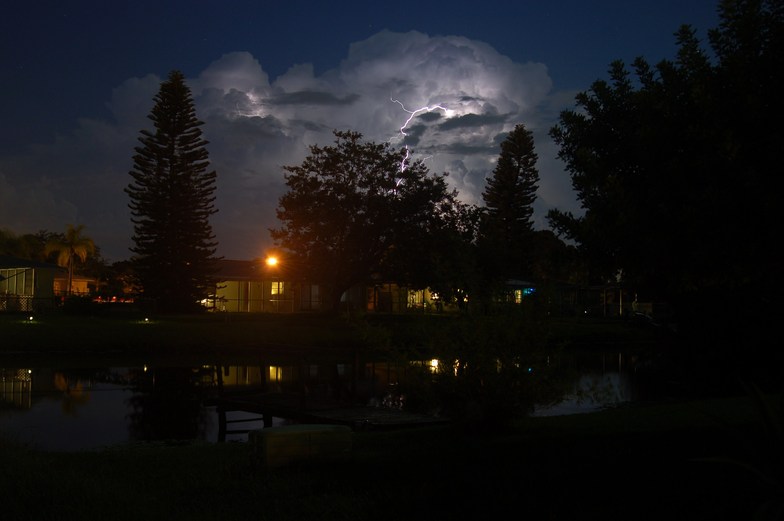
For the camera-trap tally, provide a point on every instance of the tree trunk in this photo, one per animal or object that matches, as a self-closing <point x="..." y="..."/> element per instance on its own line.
<point x="70" y="276"/>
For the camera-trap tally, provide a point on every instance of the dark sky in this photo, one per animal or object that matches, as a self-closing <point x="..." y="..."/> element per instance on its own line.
<point x="269" y="79"/>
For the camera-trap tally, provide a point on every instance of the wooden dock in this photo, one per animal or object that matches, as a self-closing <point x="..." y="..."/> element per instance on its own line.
<point x="308" y="409"/>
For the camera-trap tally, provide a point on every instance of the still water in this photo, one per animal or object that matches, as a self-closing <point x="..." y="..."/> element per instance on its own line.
<point x="78" y="409"/>
<point x="71" y="410"/>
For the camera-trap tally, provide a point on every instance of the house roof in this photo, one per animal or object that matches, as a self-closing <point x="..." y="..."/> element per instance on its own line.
<point x="515" y="283"/>
<point x="239" y="270"/>
<point x="8" y="262"/>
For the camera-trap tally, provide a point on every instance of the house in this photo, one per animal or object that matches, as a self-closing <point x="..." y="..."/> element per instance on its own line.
<point x="393" y="298"/>
<point x="80" y="284"/>
<point x="258" y="287"/>
<point x="255" y="287"/>
<point x="27" y="285"/>
<point x="516" y="290"/>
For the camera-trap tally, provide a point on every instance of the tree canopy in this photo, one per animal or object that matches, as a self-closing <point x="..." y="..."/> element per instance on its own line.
<point x="171" y="201"/>
<point x="677" y="169"/>
<point x="675" y="165"/>
<point x="26" y="246"/>
<point x="73" y="245"/>
<point x="358" y="210"/>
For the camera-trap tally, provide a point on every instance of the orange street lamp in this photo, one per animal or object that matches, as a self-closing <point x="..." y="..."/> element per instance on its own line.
<point x="272" y="263"/>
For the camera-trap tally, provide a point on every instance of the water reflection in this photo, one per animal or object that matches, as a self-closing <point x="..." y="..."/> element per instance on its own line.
<point x="55" y="410"/>
<point x="75" y="391"/>
<point x="167" y="405"/>
<point x="15" y="387"/>
<point x="591" y="392"/>
<point x="75" y="409"/>
<point x="601" y="380"/>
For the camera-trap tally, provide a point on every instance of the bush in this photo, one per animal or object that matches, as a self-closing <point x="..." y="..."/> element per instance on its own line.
<point x="80" y="305"/>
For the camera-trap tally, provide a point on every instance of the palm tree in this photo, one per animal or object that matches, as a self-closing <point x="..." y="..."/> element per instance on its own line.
<point x="72" y="244"/>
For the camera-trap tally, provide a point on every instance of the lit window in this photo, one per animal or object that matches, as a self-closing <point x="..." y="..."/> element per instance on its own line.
<point x="277" y="288"/>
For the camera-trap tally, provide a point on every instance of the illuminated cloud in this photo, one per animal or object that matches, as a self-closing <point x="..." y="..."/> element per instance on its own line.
<point x="256" y="126"/>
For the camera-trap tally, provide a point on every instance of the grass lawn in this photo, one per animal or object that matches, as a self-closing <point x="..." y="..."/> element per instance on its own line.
<point x="633" y="463"/>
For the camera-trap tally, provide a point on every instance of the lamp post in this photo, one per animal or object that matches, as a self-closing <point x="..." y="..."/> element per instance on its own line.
<point x="272" y="263"/>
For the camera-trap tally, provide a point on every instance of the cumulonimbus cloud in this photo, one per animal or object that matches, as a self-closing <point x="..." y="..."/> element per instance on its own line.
<point x="448" y="98"/>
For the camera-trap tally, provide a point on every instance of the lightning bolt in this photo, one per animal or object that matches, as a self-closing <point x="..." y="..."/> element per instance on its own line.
<point x="255" y="106"/>
<point x="413" y="113"/>
<point x="403" y="133"/>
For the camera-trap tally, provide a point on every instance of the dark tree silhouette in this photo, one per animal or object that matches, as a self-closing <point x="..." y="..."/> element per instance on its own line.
<point x="677" y="169"/>
<point x="171" y="202"/>
<point x="358" y="210"/>
<point x="507" y="227"/>
<point x="30" y="246"/>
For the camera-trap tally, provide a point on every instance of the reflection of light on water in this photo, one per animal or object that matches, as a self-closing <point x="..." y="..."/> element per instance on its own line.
<point x="591" y="393"/>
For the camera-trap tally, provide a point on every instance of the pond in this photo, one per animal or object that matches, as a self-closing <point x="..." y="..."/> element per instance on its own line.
<point x="79" y="409"/>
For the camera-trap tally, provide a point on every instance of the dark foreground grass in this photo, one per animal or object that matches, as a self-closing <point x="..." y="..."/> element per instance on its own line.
<point x="131" y="329"/>
<point x="61" y="339"/>
<point x="633" y="463"/>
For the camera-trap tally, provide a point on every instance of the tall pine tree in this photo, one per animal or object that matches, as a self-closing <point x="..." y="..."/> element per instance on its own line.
<point x="509" y="195"/>
<point x="171" y="202"/>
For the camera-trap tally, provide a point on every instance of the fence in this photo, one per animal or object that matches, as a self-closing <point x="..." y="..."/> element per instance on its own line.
<point x="24" y="303"/>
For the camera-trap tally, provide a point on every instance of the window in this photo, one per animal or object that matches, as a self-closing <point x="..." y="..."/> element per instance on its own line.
<point x="275" y="373"/>
<point x="277" y="288"/>
<point x="520" y="294"/>
<point x="16" y="281"/>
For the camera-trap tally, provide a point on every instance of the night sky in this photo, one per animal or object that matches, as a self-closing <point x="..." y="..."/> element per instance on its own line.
<point x="270" y="79"/>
